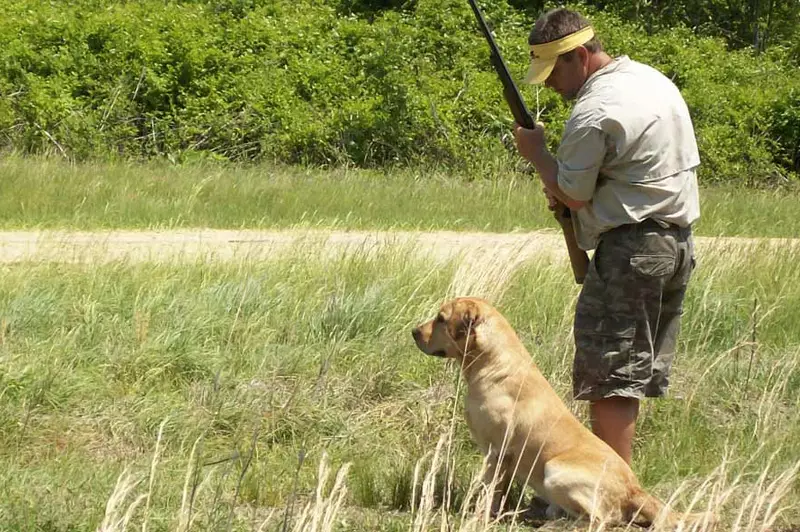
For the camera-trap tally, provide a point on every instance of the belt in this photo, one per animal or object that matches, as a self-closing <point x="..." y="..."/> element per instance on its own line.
<point x="652" y="224"/>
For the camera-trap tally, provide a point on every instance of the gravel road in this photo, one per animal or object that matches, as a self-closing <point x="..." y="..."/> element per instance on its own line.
<point x="213" y="244"/>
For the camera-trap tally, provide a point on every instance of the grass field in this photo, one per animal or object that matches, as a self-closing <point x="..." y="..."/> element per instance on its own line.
<point x="221" y="395"/>
<point x="215" y="390"/>
<point x="48" y="193"/>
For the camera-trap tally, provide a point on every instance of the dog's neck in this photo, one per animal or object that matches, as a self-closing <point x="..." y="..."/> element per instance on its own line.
<point x="481" y="366"/>
<point x="494" y="362"/>
<point x="476" y="365"/>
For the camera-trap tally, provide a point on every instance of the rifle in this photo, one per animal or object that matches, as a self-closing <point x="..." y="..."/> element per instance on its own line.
<point x="577" y="257"/>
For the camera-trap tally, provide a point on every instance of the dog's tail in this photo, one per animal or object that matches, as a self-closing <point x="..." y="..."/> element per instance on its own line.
<point x="646" y="511"/>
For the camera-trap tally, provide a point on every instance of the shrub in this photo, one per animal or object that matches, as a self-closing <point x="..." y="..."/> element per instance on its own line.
<point x="364" y="82"/>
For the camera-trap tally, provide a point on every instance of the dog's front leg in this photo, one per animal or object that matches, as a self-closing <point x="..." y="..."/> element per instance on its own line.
<point x="497" y="479"/>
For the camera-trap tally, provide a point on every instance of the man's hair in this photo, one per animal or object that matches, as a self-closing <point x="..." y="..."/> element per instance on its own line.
<point x="558" y="23"/>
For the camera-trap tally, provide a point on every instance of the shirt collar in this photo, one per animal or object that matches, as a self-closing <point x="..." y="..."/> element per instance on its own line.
<point x="613" y="66"/>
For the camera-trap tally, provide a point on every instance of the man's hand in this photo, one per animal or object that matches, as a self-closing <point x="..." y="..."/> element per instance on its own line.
<point x="530" y="142"/>
<point x="531" y="145"/>
<point x="559" y="210"/>
<point x="552" y="201"/>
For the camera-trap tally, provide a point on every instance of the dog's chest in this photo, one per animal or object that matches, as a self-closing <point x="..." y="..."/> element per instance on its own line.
<point x="489" y="416"/>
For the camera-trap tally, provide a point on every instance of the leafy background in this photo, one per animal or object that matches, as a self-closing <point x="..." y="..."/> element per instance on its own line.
<point x="370" y="82"/>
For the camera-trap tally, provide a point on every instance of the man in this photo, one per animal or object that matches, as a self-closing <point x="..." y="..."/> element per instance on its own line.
<point x="626" y="169"/>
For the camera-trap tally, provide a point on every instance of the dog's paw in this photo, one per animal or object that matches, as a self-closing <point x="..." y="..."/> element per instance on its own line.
<point x="555" y="512"/>
<point x="540" y="510"/>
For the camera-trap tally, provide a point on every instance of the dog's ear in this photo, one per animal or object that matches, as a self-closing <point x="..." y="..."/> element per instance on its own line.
<point x="470" y="318"/>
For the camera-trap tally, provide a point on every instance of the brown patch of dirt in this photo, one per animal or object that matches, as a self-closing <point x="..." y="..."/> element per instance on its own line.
<point x="215" y="244"/>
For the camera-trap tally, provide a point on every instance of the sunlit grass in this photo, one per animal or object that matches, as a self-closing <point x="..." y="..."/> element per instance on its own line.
<point x="212" y="393"/>
<point x="48" y="193"/>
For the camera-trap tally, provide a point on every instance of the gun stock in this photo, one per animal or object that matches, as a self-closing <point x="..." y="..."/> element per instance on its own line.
<point x="577" y="257"/>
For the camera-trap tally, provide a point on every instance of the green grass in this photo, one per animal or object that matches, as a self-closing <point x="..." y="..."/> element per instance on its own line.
<point x="48" y="193"/>
<point x="221" y="387"/>
<point x="211" y="381"/>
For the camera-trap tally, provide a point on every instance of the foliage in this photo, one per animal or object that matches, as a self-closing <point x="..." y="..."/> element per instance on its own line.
<point x="333" y="82"/>
<point x="741" y="23"/>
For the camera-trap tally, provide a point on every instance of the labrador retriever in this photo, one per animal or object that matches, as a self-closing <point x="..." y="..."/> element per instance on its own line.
<point x="527" y="432"/>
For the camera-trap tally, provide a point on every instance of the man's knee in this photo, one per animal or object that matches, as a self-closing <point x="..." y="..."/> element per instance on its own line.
<point x="616" y="409"/>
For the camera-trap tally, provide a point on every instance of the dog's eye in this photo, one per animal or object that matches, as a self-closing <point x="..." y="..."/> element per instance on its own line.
<point x="440" y="318"/>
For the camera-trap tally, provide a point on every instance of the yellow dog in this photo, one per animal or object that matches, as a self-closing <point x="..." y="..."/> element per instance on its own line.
<point x="521" y="424"/>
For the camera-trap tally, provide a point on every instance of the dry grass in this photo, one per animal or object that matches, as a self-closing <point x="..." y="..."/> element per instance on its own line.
<point x="181" y="395"/>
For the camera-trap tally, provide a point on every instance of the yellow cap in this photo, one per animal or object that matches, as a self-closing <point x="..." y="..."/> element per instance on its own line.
<point x="545" y="55"/>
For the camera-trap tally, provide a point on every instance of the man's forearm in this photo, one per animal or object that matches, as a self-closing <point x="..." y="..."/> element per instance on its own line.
<point x="531" y="145"/>
<point x="547" y="166"/>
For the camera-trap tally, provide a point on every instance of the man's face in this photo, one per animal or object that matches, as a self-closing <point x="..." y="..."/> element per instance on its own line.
<point x="569" y="74"/>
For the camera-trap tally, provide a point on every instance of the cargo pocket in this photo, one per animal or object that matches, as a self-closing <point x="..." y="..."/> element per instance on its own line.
<point x="617" y="348"/>
<point x="606" y="341"/>
<point x="603" y="360"/>
<point x="653" y="265"/>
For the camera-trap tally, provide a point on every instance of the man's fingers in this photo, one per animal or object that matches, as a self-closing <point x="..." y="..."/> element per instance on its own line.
<point x="515" y="131"/>
<point x="551" y="200"/>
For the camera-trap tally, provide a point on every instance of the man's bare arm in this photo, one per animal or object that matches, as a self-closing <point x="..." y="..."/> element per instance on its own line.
<point x="547" y="167"/>
<point x="532" y="147"/>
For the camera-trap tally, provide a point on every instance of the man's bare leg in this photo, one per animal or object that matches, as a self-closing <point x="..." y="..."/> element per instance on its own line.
<point x="614" y="422"/>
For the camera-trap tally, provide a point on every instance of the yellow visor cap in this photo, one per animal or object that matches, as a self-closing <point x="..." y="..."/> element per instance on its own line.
<point x="544" y="55"/>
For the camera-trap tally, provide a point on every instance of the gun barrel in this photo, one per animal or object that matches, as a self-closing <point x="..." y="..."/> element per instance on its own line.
<point x="578" y="258"/>
<point x="510" y="91"/>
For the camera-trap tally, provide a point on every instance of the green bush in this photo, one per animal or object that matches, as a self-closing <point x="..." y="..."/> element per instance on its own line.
<point x="364" y="82"/>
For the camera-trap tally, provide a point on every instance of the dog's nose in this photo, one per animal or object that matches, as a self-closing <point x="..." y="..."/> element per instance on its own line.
<point x="415" y="332"/>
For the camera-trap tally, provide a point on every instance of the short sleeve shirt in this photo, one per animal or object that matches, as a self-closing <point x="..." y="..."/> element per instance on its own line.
<point x="629" y="151"/>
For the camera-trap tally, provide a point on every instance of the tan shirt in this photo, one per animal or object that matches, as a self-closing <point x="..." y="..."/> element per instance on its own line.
<point x="629" y="150"/>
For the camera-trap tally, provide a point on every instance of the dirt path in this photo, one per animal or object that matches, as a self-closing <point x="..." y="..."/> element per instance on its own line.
<point x="212" y="244"/>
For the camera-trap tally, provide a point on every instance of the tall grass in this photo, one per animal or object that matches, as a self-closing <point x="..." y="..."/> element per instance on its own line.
<point x="288" y="395"/>
<point x="51" y="194"/>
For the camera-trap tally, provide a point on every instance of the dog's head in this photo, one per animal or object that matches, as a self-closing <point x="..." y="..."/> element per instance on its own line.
<point x="453" y="332"/>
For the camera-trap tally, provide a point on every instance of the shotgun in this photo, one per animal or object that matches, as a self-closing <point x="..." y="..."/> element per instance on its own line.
<point x="577" y="257"/>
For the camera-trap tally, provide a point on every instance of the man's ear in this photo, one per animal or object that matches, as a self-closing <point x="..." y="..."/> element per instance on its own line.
<point x="583" y="55"/>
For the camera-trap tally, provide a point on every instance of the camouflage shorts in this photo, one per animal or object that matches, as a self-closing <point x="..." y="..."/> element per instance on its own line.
<point x="628" y="312"/>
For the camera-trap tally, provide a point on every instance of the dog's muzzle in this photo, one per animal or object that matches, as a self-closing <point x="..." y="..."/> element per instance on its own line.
<point x="417" y="334"/>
